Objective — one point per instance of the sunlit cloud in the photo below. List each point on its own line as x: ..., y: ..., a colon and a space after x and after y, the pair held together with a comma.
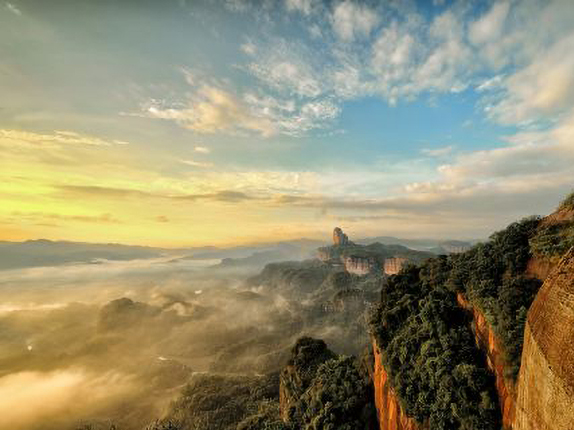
x: 202, y: 149
x: 12, y: 8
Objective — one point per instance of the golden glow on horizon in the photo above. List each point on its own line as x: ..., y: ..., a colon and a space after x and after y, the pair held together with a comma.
x: 55, y: 188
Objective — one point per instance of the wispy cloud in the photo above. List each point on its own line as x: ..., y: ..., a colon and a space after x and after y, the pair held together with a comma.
x: 211, y: 109
x: 13, y: 8
x: 438, y: 152
x: 57, y: 138
x: 194, y: 163
x: 104, y: 218
x: 351, y: 20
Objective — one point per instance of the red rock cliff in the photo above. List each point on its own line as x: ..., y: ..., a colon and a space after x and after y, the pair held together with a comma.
x: 488, y: 342
x: 389, y: 412
x: 546, y: 380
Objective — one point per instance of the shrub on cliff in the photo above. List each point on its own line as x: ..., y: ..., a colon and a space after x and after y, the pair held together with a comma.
x: 429, y: 351
x: 219, y: 402
x: 553, y: 240
x: 338, y: 398
x: 323, y: 391
x: 568, y: 202
x: 491, y: 276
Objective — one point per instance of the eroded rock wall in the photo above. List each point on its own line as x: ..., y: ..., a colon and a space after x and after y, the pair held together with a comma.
x: 490, y: 345
x: 546, y: 380
x: 392, y: 266
x: 359, y: 265
x: 389, y: 412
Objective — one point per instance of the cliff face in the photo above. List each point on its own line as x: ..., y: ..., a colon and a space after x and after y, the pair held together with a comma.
x: 359, y: 265
x: 389, y: 412
x: 340, y: 238
x: 392, y: 266
x: 490, y: 345
x: 546, y: 380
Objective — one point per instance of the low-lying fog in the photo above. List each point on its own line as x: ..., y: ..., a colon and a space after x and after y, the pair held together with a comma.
x: 115, y: 341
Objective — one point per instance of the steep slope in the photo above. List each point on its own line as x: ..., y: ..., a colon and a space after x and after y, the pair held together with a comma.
x: 390, y: 413
x: 546, y: 387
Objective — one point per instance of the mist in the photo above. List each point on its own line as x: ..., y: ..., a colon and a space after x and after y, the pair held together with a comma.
x: 114, y: 342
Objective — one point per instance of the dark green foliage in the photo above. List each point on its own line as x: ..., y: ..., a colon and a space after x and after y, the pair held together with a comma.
x: 295, y: 277
x: 306, y: 357
x: 339, y: 280
x: 553, y: 240
x: 338, y: 398
x: 429, y: 351
x: 323, y: 391
x: 219, y: 402
x: 568, y: 202
x: 491, y: 276
x: 309, y: 353
x: 266, y: 418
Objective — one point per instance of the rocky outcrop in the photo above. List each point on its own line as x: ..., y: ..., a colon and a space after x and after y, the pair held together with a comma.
x: 541, y: 266
x: 340, y: 238
x: 492, y: 348
x: 389, y: 412
x: 392, y: 266
x: 306, y: 356
x: 359, y: 265
x: 546, y: 379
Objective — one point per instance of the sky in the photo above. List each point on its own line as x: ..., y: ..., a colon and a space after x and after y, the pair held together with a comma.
x: 183, y: 123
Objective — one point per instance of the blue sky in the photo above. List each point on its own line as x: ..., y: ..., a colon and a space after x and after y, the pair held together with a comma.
x: 132, y: 120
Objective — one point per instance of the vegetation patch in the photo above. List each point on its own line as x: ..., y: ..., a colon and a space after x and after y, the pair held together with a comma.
x: 553, y: 240
x: 491, y: 275
x: 429, y: 351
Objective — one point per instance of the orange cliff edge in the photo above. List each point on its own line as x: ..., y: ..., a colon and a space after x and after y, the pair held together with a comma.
x: 487, y: 341
x: 389, y: 412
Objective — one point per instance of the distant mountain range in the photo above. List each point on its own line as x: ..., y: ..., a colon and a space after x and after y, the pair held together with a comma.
x: 43, y: 252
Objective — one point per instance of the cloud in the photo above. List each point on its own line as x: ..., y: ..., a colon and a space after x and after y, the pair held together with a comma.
x: 287, y: 67
x: 542, y: 89
x: 226, y: 196
x: 194, y: 163
x: 12, y: 8
x: 104, y: 218
x: 58, y: 138
x: 489, y: 27
x: 202, y: 149
x: 303, y: 6
x: 351, y: 20
x: 29, y: 398
x: 211, y: 109
x: 438, y: 152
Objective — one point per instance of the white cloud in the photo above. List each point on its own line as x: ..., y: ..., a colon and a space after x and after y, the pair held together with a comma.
x: 248, y: 48
x: 438, y: 152
x: 12, y: 8
x: 194, y: 163
x: 351, y: 20
x: 543, y: 88
x: 58, y: 138
x: 489, y: 27
x: 202, y: 149
x: 211, y: 109
x: 303, y: 6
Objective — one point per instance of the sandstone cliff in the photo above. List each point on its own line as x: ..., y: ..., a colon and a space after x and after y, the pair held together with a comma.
x: 359, y: 265
x: 546, y: 380
x: 389, y: 412
x: 392, y: 266
x: 491, y: 346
